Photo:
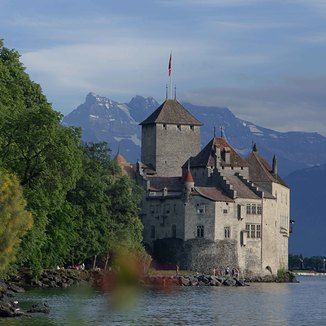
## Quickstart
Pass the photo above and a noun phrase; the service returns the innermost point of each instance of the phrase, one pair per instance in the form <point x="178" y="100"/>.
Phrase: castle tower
<point x="170" y="135"/>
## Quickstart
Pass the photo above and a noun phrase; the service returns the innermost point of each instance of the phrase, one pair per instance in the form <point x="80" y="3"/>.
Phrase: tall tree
<point x="45" y="155"/>
<point x="15" y="220"/>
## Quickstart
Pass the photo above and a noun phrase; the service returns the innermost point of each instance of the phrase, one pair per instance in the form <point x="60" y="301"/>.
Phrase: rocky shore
<point x="102" y="280"/>
<point x="8" y="305"/>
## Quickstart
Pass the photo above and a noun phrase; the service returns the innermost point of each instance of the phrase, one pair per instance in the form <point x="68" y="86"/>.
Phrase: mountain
<point x="308" y="191"/>
<point x="102" y="119"/>
<point x="116" y="123"/>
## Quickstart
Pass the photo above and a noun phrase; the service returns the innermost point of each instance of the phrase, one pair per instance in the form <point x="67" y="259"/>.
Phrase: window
<point x="259" y="209"/>
<point x="258" y="231"/>
<point x="253" y="209"/>
<point x="179" y="127"/>
<point x="158" y="209"/>
<point x="167" y="208"/>
<point x="227" y="232"/>
<point x="151" y="209"/>
<point x="192" y="128"/>
<point x="200" y="231"/>
<point x="248" y="209"/>
<point x="201" y="209"/>
<point x="153" y="232"/>
<point x="225" y="211"/>
<point x="253" y="231"/>
<point x="165" y="126"/>
<point x="174" y="208"/>
<point x="174" y="231"/>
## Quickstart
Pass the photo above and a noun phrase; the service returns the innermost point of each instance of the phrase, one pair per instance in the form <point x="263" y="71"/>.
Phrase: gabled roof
<point x="171" y="112"/>
<point x="206" y="157"/>
<point x="212" y="193"/>
<point x="261" y="171"/>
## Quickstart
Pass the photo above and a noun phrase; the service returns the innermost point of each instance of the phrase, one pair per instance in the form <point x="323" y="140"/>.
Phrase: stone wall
<point x="148" y="145"/>
<point x="200" y="255"/>
<point x="174" y="146"/>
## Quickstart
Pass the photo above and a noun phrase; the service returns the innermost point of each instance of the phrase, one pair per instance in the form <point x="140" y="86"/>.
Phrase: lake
<point x="261" y="304"/>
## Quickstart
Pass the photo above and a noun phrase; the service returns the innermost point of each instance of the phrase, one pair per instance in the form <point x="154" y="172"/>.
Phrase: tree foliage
<point x="15" y="220"/>
<point x="81" y="206"/>
<point x="107" y="206"/>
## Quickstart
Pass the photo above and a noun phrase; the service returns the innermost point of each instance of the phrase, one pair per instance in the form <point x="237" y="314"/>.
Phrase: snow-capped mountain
<point x="102" y="119"/>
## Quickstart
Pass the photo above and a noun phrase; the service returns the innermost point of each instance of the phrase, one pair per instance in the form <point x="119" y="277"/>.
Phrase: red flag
<point x="170" y="64"/>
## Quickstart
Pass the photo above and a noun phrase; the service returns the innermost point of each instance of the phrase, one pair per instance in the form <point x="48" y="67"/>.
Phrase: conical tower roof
<point x="188" y="177"/>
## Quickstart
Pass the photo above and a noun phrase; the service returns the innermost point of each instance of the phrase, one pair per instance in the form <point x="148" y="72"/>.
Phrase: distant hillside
<point x="103" y="119"/>
<point x="308" y="192"/>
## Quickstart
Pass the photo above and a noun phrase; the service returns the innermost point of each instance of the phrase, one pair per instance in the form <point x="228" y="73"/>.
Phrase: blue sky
<point x="263" y="59"/>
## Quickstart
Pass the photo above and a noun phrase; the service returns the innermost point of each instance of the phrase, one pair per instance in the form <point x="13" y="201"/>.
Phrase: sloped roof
<point x="261" y="171"/>
<point x="171" y="183"/>
<point x="243" y="191"/>
<point x="206" y="157"/>
<point x="212" y="193"/>
<point x="171" y="112"/>
<point x="125" y="166"/>
<point x="120" y="160"/>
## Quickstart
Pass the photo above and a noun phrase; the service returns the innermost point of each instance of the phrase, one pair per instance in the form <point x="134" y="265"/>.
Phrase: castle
<point x="208" y="209"/>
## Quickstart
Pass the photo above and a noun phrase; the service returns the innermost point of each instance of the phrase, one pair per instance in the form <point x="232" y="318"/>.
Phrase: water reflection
<point x="259" y="304"/>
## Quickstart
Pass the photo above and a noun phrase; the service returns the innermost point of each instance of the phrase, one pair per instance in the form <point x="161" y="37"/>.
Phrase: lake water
<point x="299" y="304"/>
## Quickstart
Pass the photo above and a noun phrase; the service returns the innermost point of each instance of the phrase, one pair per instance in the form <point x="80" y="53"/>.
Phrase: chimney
<point x="227" y="155"/>
<point x="217" y="152"/>
<point x="274" y="166"/>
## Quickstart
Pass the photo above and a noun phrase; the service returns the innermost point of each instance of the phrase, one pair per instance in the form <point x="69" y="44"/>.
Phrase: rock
<point x="214" y="281"/>
<point x="240" y="283"/>
<point x="184" y="281"/>
<point x="194" y="281"/>
<point x="229" y="282"/>
<point x="15" y="288"/>
<point x="8" y="308"/>
<point x="44" y="309"/>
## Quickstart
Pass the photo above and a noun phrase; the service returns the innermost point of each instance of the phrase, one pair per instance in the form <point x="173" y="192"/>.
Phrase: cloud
<point x="211" y="3"/>
<point x="297" y="104"/>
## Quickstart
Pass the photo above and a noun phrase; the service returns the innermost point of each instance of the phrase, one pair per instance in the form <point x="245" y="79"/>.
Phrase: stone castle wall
<point x="174" y="145"/>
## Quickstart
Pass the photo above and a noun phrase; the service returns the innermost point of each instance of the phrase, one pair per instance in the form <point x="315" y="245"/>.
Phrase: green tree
<point x="107" y="206"/>
<point x="45" y="155"/>
<point x="15" y="220"/>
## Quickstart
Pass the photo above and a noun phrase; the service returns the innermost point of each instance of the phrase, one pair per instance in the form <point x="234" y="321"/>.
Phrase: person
<point x="177" y="269"/>
<point x="227" y="270"/>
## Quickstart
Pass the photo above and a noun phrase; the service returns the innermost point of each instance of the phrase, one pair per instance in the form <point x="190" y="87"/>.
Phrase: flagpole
<point x="170" y="74"/>
<point x="171" y="96"/>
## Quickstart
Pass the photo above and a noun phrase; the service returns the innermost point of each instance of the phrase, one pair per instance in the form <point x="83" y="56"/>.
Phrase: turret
<point x="188" y="180"/>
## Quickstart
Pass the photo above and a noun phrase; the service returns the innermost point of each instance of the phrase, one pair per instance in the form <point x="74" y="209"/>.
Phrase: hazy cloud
<point x="298" y="105"/>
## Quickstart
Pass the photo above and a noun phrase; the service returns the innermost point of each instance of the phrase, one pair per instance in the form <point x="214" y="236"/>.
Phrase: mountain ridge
<point x="103" y="119"/>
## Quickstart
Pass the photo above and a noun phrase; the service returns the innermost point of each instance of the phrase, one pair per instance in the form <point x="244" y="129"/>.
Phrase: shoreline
<point x="107" y="281"/>
<point x="309" y="274"/>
